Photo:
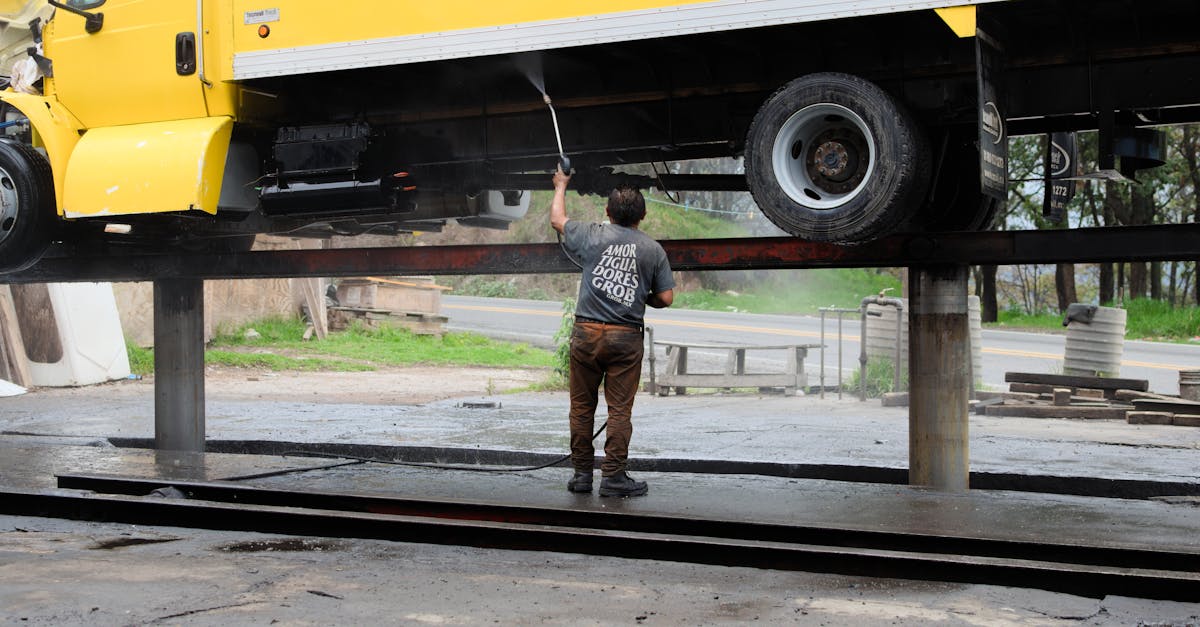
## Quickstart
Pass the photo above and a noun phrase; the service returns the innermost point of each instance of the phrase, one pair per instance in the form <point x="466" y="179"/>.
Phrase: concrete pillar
<point x="179" y="364"/>
<point x="939" y="367"/>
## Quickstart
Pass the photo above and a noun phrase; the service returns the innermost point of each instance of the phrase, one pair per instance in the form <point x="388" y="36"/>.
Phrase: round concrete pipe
<point x="975" y="324"/>
<point x="880" y="335"/>
<point x="1094" y="348"/>
<point x="940" y="378"/>
<point x="1189" y="385"/>
<point x="881" y="332"/>
<point x="880" y="304"/>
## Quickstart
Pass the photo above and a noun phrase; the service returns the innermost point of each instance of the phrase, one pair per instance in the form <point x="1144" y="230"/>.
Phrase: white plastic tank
<point x="509" y="206"/>
<point x="881" y="334"/>
<point x="72" y="333"/>
<point x="1094" y="348"/>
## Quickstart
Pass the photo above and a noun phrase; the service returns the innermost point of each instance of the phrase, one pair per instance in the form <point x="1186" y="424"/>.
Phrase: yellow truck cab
<point x="195" y="125"/>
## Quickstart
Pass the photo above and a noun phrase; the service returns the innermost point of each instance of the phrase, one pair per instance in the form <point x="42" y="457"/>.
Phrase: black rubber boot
<point x="621" y="484"/>
<point x="581" y="482"/>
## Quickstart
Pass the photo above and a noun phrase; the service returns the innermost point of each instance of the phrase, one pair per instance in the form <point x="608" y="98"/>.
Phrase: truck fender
<point x="55" y="129"/>
<point x="156" y="167"/>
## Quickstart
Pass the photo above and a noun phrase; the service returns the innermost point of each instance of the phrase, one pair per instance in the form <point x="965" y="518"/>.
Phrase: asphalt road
<point x="1003" y="351"/>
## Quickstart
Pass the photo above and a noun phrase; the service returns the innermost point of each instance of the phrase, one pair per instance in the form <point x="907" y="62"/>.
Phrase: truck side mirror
<point x="94" y="21"/>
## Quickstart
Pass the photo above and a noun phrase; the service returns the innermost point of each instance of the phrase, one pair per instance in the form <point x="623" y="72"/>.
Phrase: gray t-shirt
<point x="621" y="268"/>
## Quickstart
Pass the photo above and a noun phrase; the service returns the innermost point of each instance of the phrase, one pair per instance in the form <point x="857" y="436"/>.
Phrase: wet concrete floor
<point x="732" y="427"/>
<point x="49" y="573"/>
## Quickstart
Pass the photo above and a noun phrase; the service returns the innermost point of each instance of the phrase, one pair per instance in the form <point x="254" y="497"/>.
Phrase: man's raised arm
<point x="558" y="206"/>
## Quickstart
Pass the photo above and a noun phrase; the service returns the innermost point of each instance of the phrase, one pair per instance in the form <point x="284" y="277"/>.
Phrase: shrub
<point x="562" y="340"/>
<point x="880" y="377"/>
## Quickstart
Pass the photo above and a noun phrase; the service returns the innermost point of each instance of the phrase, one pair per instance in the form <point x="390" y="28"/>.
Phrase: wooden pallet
<point x="1093" y="398"/>
<point x="419" y="323"/>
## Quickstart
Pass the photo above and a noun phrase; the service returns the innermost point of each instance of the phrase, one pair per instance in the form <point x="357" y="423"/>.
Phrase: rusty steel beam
<point x="1148" y="243"/>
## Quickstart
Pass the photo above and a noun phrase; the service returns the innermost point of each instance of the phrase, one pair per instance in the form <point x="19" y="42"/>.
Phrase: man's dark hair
<point x="626" y="206"/>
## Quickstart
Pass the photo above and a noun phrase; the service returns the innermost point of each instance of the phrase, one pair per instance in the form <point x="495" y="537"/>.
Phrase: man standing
<point x="623" y="271"/>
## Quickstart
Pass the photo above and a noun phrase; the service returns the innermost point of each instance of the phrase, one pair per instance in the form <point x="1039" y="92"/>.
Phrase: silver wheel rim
<point x="823" y="156"/>
<point x="9" y="205"/>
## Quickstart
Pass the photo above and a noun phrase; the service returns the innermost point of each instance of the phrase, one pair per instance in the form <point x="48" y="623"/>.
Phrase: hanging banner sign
<point x="993" y="139"/>
<point x="1062" y="157"/>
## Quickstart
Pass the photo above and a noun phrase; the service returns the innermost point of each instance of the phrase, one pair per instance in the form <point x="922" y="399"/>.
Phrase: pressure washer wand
<point x="564" y="161"/>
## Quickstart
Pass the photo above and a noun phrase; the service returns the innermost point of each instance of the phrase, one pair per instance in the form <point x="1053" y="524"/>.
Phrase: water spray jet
<point x="531" y="66"/>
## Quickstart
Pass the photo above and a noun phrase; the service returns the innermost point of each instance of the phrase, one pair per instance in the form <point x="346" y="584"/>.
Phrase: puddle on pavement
<point x="118" y="543"/>
<point x="281" y="545"/>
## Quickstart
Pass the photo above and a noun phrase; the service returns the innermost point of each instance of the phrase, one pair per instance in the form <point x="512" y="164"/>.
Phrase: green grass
<point x="880" y="378"/>
<point x="1145" y="320"/>
<point x="662" y="221"/>
<point x="795" y="292"/>
<point x="1011" y="319"/>
<point x="279" y="347"/>
<point x="1157" y="320"/>
<point x="272" y="361"/>
<point x="667" y="222"/>
<point x="141" y="360"/>
<point x="389" y="346"/>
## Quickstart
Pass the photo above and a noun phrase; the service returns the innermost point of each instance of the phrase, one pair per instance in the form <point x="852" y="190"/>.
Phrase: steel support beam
<point x="928" y="541"/>
<point x="939" y="367"/>
<point x="1150" y="243"/>
<point x="179" y="365"/>
<point x="1086" y="579"/>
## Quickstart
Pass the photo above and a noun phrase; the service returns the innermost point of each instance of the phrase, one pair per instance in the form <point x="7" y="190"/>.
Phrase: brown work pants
<point x="611" y="353"/>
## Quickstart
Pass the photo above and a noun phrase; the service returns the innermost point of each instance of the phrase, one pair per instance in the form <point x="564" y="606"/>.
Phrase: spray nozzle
<point x="546" y="99"/>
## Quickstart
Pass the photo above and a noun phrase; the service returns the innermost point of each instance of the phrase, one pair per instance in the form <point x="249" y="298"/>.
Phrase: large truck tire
<point x="833" y="158"/>
<point x="28" y="212"/>
<point x="954" y="200"/>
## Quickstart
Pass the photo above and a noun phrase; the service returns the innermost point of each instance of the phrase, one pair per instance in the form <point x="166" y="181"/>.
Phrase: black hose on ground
<point x="373" y="460"/>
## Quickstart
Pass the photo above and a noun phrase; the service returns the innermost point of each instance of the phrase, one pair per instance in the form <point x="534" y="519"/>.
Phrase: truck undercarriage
<point x="458" y="127"/>
<point x="850" y="128"/>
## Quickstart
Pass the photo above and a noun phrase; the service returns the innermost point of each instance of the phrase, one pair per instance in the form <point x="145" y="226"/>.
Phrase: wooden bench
<point x="735" y="375"/>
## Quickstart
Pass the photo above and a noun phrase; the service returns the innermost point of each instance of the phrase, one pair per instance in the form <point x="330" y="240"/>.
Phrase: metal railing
<point x="862" y="356"/>
<point x="840" y="313"/>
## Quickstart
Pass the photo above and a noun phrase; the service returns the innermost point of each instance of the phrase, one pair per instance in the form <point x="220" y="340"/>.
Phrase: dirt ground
<point x="391" y="386"/>
<point x="411" y="385"/>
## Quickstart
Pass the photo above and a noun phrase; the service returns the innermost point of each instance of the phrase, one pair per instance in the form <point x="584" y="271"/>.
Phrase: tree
<point x="1114" y="206"/>
<point x="1141" y="211"/>
<point x="1168" y="194"/>
<point x="1190" y="138"/>
<point x="1064" y="285"/>
<point x="1026" y="156"/>
<point x="985" y="289"/>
